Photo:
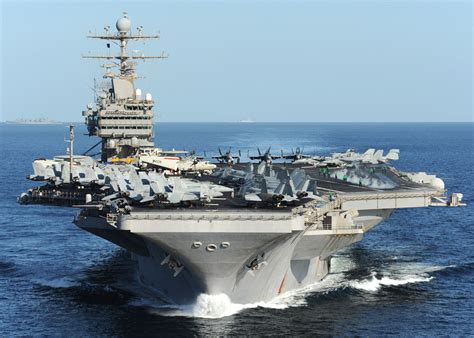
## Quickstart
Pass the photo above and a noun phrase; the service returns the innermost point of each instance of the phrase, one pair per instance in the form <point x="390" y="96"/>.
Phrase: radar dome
<point x="123" y="24"/>
<point x="437" y="183"/>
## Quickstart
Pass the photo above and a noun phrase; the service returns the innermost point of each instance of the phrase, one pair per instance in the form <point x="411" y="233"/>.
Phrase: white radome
<point x="437" y="183"/>
<point x="123" y="24"/>
<point x="138" y="94"/>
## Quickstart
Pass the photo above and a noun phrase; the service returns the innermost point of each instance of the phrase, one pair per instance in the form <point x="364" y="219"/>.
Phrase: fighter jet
<point x="295" y="155"/>
<point x="266" y="157"/>
<point x="273" y="189"/>
<point x="195" y="163"/>
<point x="133" y="186"/>
<point x="350" y="157"/>
<point x="227" y="157"/>
<point x="43" y="170"/>
<point x="393" y="155"/>
<point x="370" y="156"/>
<point x="175" y="161"/>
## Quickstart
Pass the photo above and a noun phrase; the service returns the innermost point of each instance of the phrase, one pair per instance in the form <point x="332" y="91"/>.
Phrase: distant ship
<point x="246" y="121"/>
<point x="34" y="121"/>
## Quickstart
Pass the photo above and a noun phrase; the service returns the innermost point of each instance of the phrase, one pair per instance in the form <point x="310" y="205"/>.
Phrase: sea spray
<point x="374" y="284"/>
<point x="220" y="305"/>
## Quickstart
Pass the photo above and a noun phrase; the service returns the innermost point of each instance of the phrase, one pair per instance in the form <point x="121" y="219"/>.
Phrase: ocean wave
<point x="207" y="306"/>
<point x="7" y="267"/>
<point x="374" y="284"/>
<point x="456" y="270"/>
<point x="56" y="283"/>
<point x="399" y="274"/>
<point x="417" y="268"/>
<point x="83" y="292"/>
<point x="220" y="305"/>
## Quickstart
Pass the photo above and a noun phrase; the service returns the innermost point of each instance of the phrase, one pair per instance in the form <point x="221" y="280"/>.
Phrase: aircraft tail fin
<point x="369" y="152"/>
<point x="378" y="154"/>
<point x="393" y="154"/>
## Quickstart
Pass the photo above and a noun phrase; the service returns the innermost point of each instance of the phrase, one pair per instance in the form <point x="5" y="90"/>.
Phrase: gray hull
<point x="252" y="257"/>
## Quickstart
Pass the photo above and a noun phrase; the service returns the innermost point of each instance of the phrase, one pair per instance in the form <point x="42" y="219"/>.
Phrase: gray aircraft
<point x="295" y="155"/>
<point x="227" y="157"/>
<point x="266" y="157"/>
<point x="265" y="185"/>
<point x="370" y="156"/>
<point x="350" y="157"/>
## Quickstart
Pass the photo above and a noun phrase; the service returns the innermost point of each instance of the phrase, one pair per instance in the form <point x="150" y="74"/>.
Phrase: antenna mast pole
<point x="126" y="68"/>
<point x="71" y="151"/>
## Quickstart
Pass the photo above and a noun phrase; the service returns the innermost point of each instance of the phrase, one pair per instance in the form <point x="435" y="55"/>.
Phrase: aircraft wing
<point x="181" y="196"/>
<point x="252" y="198"/>
<point x="173" y="152"/>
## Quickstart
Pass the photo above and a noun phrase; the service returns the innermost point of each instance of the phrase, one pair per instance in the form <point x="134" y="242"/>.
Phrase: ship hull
<point x="249" y="259"/>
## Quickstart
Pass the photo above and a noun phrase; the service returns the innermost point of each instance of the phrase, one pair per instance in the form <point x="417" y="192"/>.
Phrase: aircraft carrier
<point x="249" y="227"/>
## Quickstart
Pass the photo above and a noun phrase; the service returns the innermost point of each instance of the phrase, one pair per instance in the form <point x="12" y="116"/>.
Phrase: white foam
<point x="374" y="284"/>
<point x="206" y="306"/>
<point x="220" y="305"/>
<point x="215" y="306"/>
<point x="341" y="263"/>
<point x="59" y="283"/>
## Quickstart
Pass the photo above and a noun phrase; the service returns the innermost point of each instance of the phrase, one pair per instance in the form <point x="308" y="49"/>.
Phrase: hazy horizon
<point x="240" y="122"/>
<point x="268" y="61"/>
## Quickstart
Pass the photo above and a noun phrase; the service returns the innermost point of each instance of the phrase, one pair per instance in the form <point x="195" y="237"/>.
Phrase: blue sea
<point x="411" y="275"/>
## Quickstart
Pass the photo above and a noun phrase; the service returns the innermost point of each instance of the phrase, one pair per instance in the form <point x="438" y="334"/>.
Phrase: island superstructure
<point x="251" y="229"/>
<point x="122" y="115"/>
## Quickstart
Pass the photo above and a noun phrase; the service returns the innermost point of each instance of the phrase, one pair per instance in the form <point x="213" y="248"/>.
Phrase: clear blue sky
<point x="266" y="60"/>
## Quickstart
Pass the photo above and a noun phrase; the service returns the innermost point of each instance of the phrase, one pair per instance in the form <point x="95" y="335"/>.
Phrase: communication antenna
<point x="71" y="151"/>
<point x="121" y="38"/>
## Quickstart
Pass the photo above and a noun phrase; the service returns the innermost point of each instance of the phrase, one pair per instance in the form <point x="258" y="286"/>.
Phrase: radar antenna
<point x="121" y="38"/>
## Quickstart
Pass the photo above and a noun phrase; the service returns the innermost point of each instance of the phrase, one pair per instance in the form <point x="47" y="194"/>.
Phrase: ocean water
<point x="411" y="275"/>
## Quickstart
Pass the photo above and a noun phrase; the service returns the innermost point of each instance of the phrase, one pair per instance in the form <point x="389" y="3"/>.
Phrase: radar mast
<point x="121" y="116"/>
<point x="121" y="38"/>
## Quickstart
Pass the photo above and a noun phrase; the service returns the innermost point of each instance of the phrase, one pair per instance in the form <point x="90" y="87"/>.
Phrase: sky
<point x="268" y="61"/>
